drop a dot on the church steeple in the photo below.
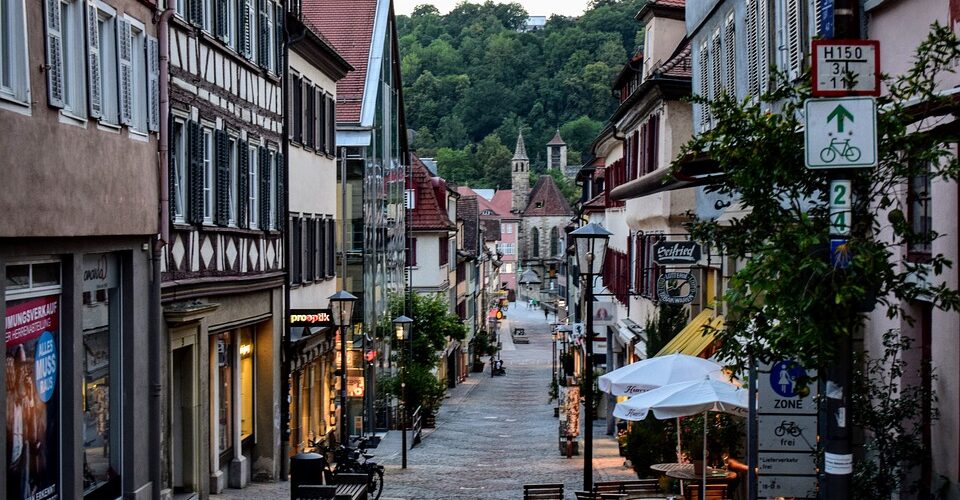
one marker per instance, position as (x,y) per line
(557,153)
(520,175)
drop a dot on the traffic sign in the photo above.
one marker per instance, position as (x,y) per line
(787,487)
(780,394)
(846,67)
(788,433)
(841,205)
(840,133)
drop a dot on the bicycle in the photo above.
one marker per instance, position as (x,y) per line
(850,153)
(353,460)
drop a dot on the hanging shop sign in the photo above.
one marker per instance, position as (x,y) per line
(676,252)
(314,318)
(677,288)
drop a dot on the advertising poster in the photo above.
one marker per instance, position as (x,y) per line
(32,334)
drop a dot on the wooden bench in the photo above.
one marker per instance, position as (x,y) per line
(543,491)
(636,488)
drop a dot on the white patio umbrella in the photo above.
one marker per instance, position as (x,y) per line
(689,398)
(658,371)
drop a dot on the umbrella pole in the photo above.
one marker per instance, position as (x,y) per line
(679,451)
(703,491)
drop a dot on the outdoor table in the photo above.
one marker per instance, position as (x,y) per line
(685,472)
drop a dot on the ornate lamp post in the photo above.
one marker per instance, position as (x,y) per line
(342,305)
(591,248)
(402,325)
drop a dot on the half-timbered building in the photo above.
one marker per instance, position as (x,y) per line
(223,270)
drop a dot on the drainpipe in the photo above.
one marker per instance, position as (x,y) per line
(163,236)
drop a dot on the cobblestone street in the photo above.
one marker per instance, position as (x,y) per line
(493,434)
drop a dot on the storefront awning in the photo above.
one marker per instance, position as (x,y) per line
(693,340)
(628,331)
(693,172)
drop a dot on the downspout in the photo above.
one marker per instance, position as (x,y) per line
(286,348)
(163,236)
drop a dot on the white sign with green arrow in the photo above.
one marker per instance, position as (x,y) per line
(841,132)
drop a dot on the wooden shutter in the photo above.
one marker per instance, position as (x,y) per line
(318,131)
(172,153)
(281,186)
(243,182)
(730,57)
(634,153)
(263,32)
(704,86)
(296,88)
(264,188)
(321,122)
(309,101)
(125,66)
(306,251)
(278,34)
(222,158)
(221,23)
(54,41)
(331,247)
(291,81)
(654,125)
(297,254)
(153,84)
(244,29)
(320,256)
(794,39)
(331,126)
(195,166)
(94,79)
(753,61)
(716,60)
(763,41)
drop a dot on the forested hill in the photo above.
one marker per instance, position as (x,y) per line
(472,77)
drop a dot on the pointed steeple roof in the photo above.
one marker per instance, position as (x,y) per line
(521,151)
(556,141)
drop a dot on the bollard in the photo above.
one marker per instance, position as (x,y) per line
(306,469)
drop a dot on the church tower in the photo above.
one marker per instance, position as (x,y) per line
(557,153)
(520,176)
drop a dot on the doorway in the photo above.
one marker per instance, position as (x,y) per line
(183,422)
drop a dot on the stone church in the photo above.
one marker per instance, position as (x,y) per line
(544,214)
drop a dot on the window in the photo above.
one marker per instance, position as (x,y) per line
(444,251)
(230,18)
(253,166)
(411,199)
(232,200)
(506,268)
(206,21)
(757,36)
(208,176)
(102,383)
(555,156)
(106,51)
(505,248)
(729,57)
(14,80)
(74,70)
(703,87)
(506,228)
(138,45)
(272,212)
(223,353)
(180,7)
(307,111)
(535,242)
(645,269)
(412,253)
(921,219)
(247,378)
(252,32)
(554,242)
(178,157)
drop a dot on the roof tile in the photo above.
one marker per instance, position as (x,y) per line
(428,212)
(546,199)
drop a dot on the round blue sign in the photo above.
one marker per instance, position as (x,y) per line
(45,366)
(784,376)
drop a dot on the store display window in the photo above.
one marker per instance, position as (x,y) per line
(247,384)
(224,393)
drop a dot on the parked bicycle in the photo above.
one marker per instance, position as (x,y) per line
(352,460)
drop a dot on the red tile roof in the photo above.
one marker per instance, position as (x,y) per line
(482,203)
(348,25)
(428,212)
(546,199)
(679,64)
(503,202)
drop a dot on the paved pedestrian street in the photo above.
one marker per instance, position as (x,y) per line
(493,434)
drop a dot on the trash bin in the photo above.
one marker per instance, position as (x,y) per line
(306,469)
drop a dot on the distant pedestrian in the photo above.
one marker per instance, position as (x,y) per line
(546,314)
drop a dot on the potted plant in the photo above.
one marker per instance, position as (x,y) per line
(481,347)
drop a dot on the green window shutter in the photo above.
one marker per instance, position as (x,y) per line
(281,192)
(222,203)
(221,22)
(264,188)
(243,188)
(172,170)
(195,165)
(245,29)
(263,31)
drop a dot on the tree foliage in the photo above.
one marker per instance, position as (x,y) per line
(473,72)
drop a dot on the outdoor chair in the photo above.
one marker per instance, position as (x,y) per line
(553,491)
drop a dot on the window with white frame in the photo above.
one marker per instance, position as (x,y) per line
(232,201)
(207,19)
(179,7)
(505,248)
(269,38)
(178,153)
(506,268)
(252,27)
(208,176)
(253,166)
(109,78)
(506,228)
(231,18)
(14,78)
(272,222)
(138,45)
(74,51)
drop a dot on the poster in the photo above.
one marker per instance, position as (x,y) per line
(32,336)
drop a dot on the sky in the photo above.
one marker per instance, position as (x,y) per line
(533,7)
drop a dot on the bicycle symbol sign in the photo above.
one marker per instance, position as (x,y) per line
(841,133)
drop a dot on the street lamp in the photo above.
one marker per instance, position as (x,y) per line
(341,303)
(591,248)
(402,325)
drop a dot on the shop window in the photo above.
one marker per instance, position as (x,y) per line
(224,393)
(921,218)
(31,365)
(102,376)
(247,392)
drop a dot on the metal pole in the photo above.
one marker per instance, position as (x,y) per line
(588,393)
(403,426)
(752,432)
(343,382)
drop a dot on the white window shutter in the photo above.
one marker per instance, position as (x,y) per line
(95,87)
(730,57)
(716,72)
(753,61)
(54,41)
(153,84)
(125,66)
(817,17)
(794,48)
(763,41)
(704,86)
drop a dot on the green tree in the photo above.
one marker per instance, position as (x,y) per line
(493,160)
(457,165)
(580,133)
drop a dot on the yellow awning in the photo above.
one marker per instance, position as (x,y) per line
(692,339)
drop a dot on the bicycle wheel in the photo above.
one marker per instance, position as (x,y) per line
(376,485)
(852,153)
(828,154)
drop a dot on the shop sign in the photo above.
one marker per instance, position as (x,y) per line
(676,252)
(671,285)
(32,331)
(100,272)
(355,386)
(316,318)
